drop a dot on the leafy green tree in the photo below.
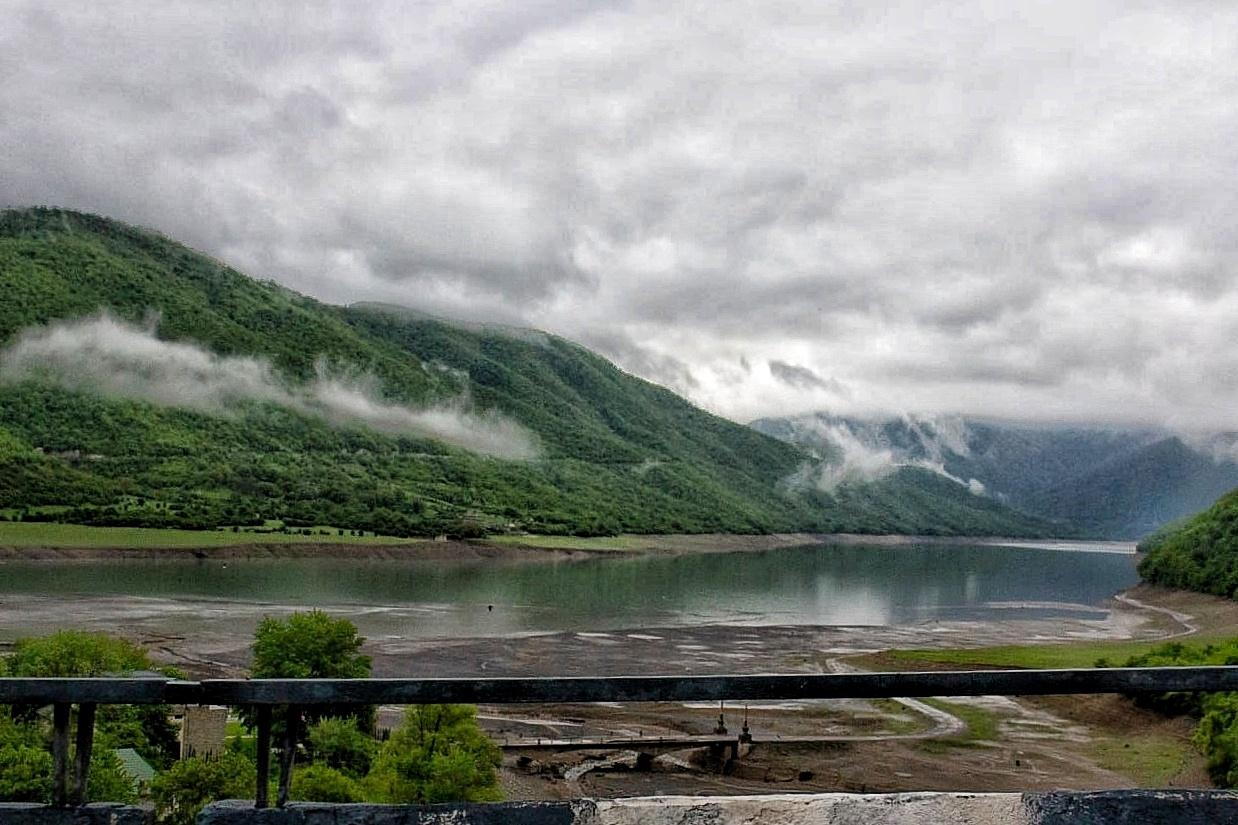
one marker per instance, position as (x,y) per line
(439,754)
(1217,737)
(25,774)
(338,744)
(183,790)
(76,653)
(148,728)
(320,783)
(312,645)
(25,764)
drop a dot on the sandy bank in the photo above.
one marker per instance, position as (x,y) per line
(524,548)
(427,550)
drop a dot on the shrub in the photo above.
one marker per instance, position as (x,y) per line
(439,754)
(320,783)
(183,790)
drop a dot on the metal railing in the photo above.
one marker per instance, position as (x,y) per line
(297,694)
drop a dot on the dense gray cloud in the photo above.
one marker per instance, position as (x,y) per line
(1017,210)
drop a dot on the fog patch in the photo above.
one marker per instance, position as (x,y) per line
(116,359)
(854,451)
(1222,448)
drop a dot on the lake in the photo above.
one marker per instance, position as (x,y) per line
(816,585)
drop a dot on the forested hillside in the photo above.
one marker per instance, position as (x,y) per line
(1108,482)
(1200,553)
(144,383)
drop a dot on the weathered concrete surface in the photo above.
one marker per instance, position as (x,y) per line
(1062,808)
(240,812)
(1133,808)
(103,813)
(816,809)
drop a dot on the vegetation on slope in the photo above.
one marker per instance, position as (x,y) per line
(1102,481)
(1200,553)
(618,454)
(1217,733)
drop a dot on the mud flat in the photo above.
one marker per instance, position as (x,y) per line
(515,547)
(998,743)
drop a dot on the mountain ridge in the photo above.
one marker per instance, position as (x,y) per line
(1110,482)
(145,383)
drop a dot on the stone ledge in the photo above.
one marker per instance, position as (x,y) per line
(99,813)
(240,812)
(1058,808)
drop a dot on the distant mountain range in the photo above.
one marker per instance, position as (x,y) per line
(143,383)
(1102,481)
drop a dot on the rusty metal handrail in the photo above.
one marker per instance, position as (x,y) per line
(298,694)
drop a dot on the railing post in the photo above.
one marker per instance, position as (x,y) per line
(263,788)
(60,754)
(85,744)
(288,755)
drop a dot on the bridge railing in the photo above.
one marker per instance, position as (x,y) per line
(294,695)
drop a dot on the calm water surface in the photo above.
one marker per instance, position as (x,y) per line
(830,585)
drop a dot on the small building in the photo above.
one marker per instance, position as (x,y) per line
(203,730)
(135,767)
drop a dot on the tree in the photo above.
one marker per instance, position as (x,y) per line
(148,728)
(439,754)
(312,645)
(25,774)
(338,744)
(320,783)
(308,645)
(183,790)
(25,764)
(76,653)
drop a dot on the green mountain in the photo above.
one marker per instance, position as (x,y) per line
(1200,553)
(143,383)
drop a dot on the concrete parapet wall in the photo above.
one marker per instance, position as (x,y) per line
(103,813)
(237,812)
(1062,808)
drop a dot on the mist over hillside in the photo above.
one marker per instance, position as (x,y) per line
(1108,481)
(142,383)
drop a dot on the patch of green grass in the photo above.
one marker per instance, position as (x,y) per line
(1071,655)
(48,534)
(235,730)
(981,723)
(897,718)
(1150,761)
(575,542)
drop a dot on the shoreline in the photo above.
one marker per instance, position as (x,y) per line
(527,548)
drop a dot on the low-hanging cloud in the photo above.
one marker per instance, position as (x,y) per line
(858,451)
(104,354)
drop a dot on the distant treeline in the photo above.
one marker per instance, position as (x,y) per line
(1200,553)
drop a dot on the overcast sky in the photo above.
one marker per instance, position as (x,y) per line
(1016,209)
